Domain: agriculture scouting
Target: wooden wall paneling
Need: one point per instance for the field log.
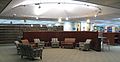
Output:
(111, 37)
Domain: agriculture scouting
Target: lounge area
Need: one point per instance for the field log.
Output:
(59, 31)
(65, 47)
(65, 38)
(61, 47)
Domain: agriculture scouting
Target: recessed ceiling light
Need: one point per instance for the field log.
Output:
(41, 25)
(31, 25)
(37, 18)
(95, 15)
(88, 20)
(66, 18)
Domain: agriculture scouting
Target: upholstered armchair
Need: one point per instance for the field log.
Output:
(85, 45)
(30, 52)
(26, 42)
(40, 44)
(54, 43)
(68, 43)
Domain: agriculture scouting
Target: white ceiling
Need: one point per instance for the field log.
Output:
(51, 9)
(76, 10)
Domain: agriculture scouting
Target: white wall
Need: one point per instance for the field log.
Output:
(68, 26)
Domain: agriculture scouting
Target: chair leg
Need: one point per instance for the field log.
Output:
(21, 56)
(41, 57)
(108, 47)
(32, 58)
(18, 52)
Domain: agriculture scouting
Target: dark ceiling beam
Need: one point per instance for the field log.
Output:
(5, 3)
(26, 18)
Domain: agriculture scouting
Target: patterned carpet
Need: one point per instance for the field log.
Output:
(8, 54)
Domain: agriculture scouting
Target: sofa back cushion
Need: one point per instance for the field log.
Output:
(25, 42)
(69, 40)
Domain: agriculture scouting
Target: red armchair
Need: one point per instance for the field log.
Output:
(26, 42)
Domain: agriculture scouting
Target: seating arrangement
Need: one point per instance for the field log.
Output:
(47, 36)
(68, 43)
(30, 52)
(85, 45)
(55, 43)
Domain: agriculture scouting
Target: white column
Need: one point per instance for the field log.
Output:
(78, 27)
(113, 29)
(88, 25)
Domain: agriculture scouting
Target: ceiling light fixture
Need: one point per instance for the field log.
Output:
(95, 15)
(98, 12)
(37, 3)
(39, 7)
(37, 18)
(88, 20)
(66, 18)
(59, 3)
(31, 25)
(41, 25)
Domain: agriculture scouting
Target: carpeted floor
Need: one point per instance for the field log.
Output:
(8, 54)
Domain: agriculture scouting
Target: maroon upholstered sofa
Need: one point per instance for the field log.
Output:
(68, 43)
